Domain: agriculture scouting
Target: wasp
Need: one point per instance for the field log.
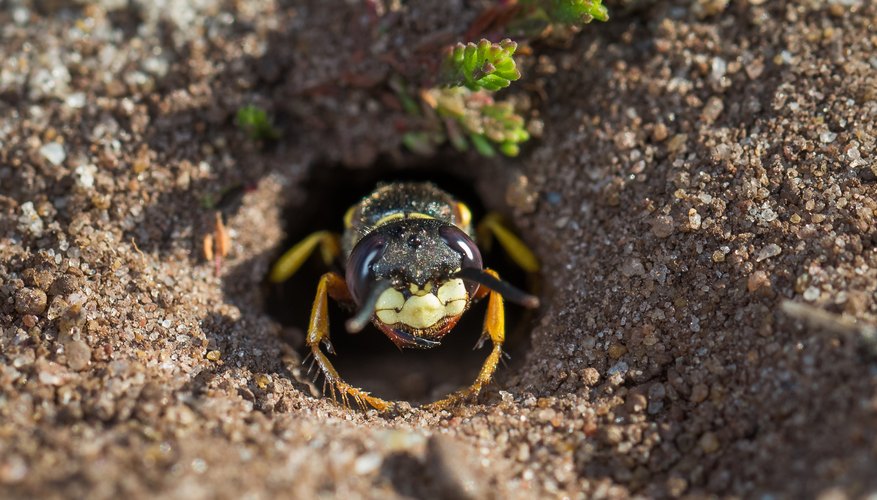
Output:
(412, 268)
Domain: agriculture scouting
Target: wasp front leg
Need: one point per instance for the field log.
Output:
(333, 285)
(330, 248)
(494, 329)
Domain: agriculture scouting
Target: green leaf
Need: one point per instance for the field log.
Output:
(485, 65)
(577, 11)
(489, 125)
(482, 145)
(255, 122)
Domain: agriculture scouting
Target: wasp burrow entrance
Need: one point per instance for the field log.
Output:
(369, 359)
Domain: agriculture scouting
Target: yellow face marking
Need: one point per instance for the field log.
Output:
(423, 311)
(401, 215)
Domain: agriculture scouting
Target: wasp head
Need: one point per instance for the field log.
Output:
(404, 276)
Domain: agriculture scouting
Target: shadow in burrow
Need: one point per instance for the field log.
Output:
(368, 359)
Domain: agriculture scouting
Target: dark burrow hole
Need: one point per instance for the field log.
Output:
(369, 360)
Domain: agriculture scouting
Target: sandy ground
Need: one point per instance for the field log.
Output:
(703, 198)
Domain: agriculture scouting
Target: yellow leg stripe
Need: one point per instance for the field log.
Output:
(492, 224)
(292, 260)
(494, 327)
(332, 285)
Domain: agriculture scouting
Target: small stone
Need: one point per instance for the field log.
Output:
(625, 140)
(214, 355)
(660, 133)
(699, 393)
(590, 376)
(75, 100)
(709, 443)
(78, 354)
(619, 368)
(811, 293)
(54, 153)
(707, 8)
(617, 350)
(612, 434)
(29, 320)
(636, 402)
(662, 226)
(693, 219)
(367, 463)
(85, 176)
(771, 250)
(754, 69)
(30, 220)
(30, 301)
(657, 393)
(64, 285)
(827, 137)
(677, 143)
(676, 486)
(712, 110)
(758, 280)
(632, 267)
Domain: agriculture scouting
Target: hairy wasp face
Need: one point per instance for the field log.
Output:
(405, 271)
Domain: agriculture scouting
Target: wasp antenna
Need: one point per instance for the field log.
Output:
(505, 289)
(362, 317)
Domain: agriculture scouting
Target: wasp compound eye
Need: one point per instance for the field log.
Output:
(360, 274)
(461, 243)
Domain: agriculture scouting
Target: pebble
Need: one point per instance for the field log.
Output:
(693, 219)
(78, 354)
(367, 463)
(827, 137)
(54, 153)
(590, 376)
(699, 393)
(771, 250)
(811, 293)
(632, 267)
(29, 220)
(31, 301)
(709, 443)
(712, 110)
(660, 133)
(85, 176)
(757, 280)
(662, 226)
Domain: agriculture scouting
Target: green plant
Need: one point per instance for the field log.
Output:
(471, 72)
(255, 122)
(485, 65)
(570, 11)
(474, 117)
